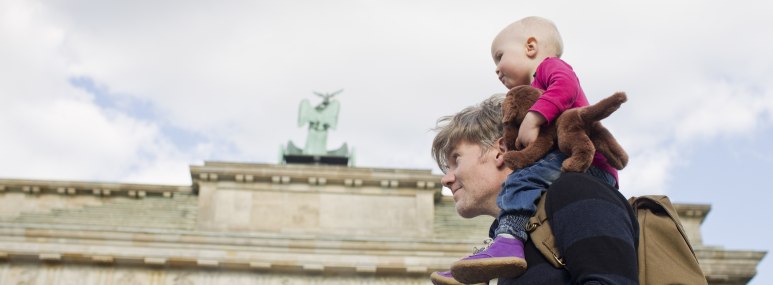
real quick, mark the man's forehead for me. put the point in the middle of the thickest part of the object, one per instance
(464, 145)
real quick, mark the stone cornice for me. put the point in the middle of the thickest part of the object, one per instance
(274, 252)
(728, 266)
(89, 188)
(384, 178)
(696, 211)
(316, 175)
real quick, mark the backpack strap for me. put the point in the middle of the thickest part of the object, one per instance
(542, 236)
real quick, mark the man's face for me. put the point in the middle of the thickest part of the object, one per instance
(513, 66)
(475, 178)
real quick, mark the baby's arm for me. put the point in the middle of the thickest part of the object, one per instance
(562, 89)
(529, 129)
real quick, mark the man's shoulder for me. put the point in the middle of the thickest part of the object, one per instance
(576, 179)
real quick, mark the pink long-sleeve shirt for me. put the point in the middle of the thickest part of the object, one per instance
(562, 92)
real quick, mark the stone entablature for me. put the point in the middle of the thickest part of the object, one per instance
(315, 175)
(315, 199)
(89, 188)
(726, 267)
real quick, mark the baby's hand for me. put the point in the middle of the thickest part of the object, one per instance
(526, 136)
(529, 130)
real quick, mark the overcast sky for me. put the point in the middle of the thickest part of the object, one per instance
(136, 91)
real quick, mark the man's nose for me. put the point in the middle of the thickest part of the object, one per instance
(448, 179)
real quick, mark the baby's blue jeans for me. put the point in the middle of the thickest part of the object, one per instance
(523, 188)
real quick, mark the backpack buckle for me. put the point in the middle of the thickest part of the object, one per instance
(559, 260)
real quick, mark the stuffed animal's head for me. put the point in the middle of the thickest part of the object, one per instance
(514, 109)
(517, 104)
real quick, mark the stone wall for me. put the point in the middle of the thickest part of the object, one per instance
(260, 224)
(53, 273)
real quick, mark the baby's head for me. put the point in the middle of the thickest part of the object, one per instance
(521, 46)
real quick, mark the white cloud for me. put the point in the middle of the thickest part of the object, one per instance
(70, 139)
(651, 172)
(55, 131)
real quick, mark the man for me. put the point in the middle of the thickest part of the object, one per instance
(594, 227)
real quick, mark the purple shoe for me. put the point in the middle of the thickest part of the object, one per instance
(502, 258)
(445, 278)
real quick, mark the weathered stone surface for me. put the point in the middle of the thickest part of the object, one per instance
(36, 273)
(260, 224)
(334, 207)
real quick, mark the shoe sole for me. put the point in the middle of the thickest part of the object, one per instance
(438, 279)
(484, 269)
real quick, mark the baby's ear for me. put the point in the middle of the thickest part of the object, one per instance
(531, 47)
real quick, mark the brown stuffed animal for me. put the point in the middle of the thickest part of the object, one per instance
(577, 131)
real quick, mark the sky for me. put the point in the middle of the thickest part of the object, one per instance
(137, 91)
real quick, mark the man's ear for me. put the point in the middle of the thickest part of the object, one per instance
(501, 149)
(531, 47)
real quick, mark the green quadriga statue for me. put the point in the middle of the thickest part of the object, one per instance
(319, 119)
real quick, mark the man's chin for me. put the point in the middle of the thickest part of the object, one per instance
(466, 213)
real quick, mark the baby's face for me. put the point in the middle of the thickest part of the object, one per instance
(513, 65)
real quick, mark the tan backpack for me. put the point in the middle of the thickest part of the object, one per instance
(665, 253)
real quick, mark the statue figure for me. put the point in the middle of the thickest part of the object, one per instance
(320, 119)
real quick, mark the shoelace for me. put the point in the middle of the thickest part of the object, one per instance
(486, 244)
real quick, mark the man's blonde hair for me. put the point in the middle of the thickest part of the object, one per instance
(543, 29)
(481, 124)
